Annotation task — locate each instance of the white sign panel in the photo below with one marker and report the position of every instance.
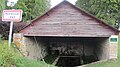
(12, 15)
(113, 39)
(11, 3)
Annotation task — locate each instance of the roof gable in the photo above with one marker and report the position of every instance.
(67, 20)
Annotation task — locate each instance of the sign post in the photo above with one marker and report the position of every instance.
(10, 33)
(12, 16)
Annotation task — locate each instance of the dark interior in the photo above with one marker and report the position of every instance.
(75, 51)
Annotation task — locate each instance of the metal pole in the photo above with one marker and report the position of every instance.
(10, 33)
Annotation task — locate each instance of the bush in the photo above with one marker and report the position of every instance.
(10, 57)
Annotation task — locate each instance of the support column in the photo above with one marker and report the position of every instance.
(19, 41)
(113, 47)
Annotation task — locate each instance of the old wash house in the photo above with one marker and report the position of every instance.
(74, 35)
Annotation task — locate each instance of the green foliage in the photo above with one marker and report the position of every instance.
(119, 49)
(2, 6)
(107, 10)
(10, 57)
(33, 63)
(32, 8)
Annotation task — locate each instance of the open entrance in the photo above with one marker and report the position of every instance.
(77, 51)
(71, 51)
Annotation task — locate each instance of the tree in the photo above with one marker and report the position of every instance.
(2, 6)
(31, 8)
(107, 10)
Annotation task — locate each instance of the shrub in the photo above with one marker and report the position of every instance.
(10, 57)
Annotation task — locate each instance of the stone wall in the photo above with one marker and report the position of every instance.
(35, 48)
(113, 50)
(31, 47)
(113, 47)
(102, 49)
(107, 49)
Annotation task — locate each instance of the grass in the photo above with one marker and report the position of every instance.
(33, 63)
(10, 57)
(119, 50)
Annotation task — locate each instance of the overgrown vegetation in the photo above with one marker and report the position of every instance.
(7, 55)
(10, 57)
(32, 8)
(2, 6)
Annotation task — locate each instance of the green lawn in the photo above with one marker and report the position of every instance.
(119, 50)
(109, 63)
(33, 63)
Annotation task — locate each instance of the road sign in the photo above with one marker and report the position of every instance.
(12, 15)
(11, 3)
